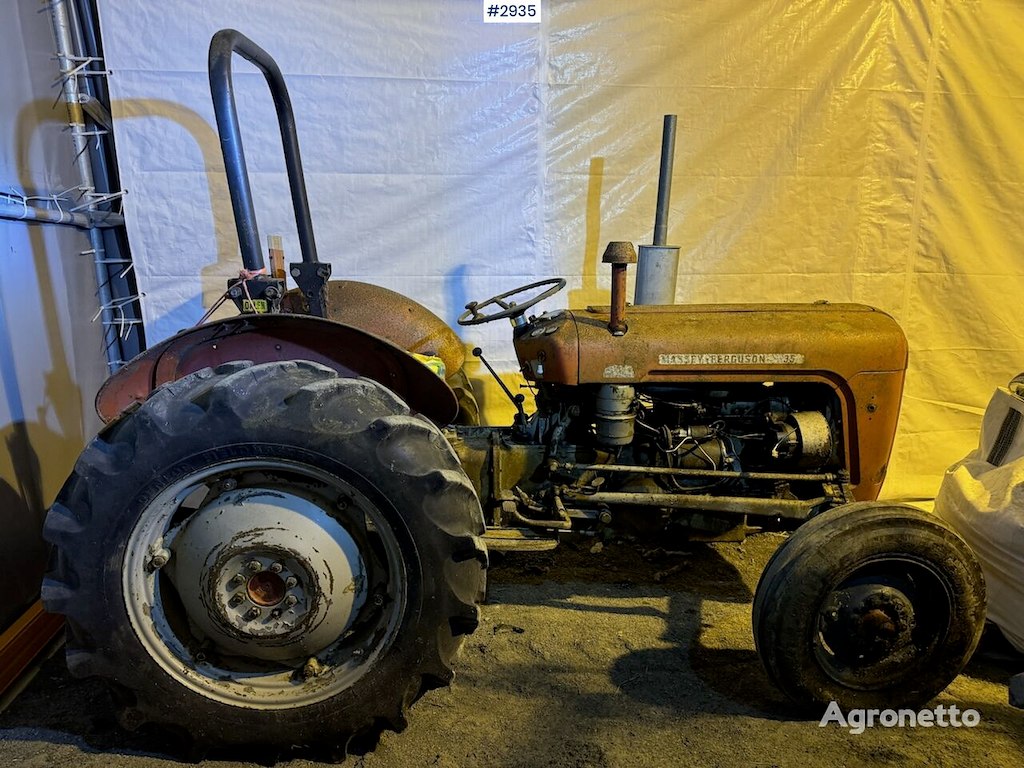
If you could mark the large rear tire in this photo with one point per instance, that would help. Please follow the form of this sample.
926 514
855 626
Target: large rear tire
267 555
869 605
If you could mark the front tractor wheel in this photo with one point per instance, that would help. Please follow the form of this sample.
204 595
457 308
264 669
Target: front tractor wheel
267 555
869 605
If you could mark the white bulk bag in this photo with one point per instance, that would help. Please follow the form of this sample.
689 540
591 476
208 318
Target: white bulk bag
982 497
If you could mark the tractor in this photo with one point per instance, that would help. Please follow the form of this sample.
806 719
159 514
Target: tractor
280 537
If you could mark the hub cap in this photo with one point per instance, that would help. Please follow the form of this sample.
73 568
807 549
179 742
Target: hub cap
264 583
268 574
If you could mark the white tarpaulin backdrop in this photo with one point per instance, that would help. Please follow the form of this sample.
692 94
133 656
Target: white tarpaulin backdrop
848 150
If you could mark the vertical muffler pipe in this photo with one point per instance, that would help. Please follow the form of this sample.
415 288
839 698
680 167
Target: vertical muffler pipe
620 254
658 263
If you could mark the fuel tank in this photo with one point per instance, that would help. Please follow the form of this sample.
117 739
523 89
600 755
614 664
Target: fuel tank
858 351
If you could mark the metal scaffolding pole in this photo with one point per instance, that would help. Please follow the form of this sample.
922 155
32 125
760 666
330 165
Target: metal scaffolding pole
16 210
71 67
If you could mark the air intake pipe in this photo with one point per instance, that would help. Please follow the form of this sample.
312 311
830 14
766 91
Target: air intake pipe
620 254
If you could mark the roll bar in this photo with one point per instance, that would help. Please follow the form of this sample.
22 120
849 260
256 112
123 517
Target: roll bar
223 45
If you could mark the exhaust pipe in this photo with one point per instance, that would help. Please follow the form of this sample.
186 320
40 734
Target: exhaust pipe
659 263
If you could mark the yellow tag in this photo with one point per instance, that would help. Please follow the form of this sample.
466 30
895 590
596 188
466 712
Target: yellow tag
435 364
256 306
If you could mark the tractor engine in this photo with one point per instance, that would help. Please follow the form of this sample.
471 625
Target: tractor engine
699 415
698 427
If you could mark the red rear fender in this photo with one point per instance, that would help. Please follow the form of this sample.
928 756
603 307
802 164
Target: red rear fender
266 338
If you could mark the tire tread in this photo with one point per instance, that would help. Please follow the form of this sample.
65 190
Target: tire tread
321 409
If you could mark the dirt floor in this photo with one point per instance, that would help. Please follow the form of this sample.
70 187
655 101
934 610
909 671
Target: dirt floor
585 659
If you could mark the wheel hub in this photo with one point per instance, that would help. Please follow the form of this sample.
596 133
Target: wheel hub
271 602
867 622
867 633
266 588
268 574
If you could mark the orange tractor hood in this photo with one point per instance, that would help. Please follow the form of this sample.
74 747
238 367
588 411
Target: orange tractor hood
702 342
858 351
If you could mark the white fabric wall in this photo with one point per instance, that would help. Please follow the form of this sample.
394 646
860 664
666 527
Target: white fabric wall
848 150
51 354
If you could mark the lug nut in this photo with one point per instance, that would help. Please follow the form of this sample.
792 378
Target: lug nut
276 568
235 600
236 580
229 484
290 582
276 613
254 613
312 668
254 565
159 559
291 600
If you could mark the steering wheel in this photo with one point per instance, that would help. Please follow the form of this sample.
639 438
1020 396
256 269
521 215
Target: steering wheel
473 316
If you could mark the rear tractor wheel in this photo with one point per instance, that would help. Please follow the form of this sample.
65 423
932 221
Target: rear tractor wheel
268 555
869 605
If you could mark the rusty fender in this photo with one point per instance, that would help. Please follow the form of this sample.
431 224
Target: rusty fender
268 338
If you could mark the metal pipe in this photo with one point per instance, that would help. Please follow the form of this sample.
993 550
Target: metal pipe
558 525
658 263
94 97
796 509
668 151
61 22
617 319
683 472
618 253
223 45
564 523
18 212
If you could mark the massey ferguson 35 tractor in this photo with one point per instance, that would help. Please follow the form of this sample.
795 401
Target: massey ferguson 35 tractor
280 537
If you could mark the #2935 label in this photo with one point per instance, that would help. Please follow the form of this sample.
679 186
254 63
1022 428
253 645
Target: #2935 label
511 13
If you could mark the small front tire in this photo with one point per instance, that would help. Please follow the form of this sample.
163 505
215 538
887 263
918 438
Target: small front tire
869 605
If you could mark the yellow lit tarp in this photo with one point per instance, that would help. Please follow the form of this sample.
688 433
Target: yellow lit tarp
852 151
